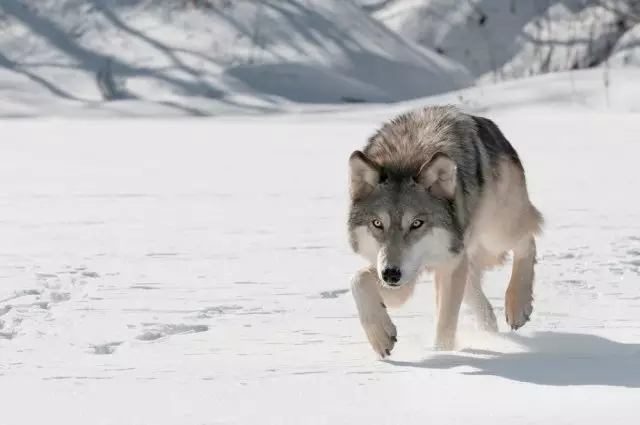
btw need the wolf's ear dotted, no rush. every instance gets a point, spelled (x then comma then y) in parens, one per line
(438, 175)
(364, 175)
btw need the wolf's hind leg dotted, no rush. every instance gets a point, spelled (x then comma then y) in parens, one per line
(519, 294)
(475, 298)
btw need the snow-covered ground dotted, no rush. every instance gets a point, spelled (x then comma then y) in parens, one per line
(196, 271)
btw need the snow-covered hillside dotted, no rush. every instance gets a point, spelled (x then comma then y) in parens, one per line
(269, 55)
(255, 55)
(504, 39)
(627, 50)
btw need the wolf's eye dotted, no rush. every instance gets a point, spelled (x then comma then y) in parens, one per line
(416, 224)
(376, 223)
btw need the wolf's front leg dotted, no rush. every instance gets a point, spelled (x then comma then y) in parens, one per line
(380, 330)
(452, 280)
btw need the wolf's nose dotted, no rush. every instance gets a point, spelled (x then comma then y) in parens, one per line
(391, 275)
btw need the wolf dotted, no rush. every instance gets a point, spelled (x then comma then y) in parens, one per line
(442, 191)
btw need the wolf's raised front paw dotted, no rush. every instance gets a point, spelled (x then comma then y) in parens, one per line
(518, 309)
(380, 330)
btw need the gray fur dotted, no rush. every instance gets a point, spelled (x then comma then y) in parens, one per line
(438, 189)
(401, 147)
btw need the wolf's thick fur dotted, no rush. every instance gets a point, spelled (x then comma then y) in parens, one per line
(439, 190)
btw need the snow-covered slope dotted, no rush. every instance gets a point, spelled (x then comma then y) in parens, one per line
(504, 39)
(627, 50)
(250, 54)
(196, 272)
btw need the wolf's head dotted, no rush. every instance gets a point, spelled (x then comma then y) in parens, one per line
(403, 222)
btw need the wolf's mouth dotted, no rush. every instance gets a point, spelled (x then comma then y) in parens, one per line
(391, 286)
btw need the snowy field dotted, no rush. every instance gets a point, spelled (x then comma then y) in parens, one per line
(174, 270)
(196, 271)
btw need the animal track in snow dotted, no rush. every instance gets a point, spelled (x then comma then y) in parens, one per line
(53, 287)
(108, 348)
(218, 310)
(19, 294)
(8, 334)
(335, 293)
(158, 331)
(146, 286)
(627, 250)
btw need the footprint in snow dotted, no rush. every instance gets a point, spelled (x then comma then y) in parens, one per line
(218, 310)
(161, 331)
(108, 348)
(333, 293)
